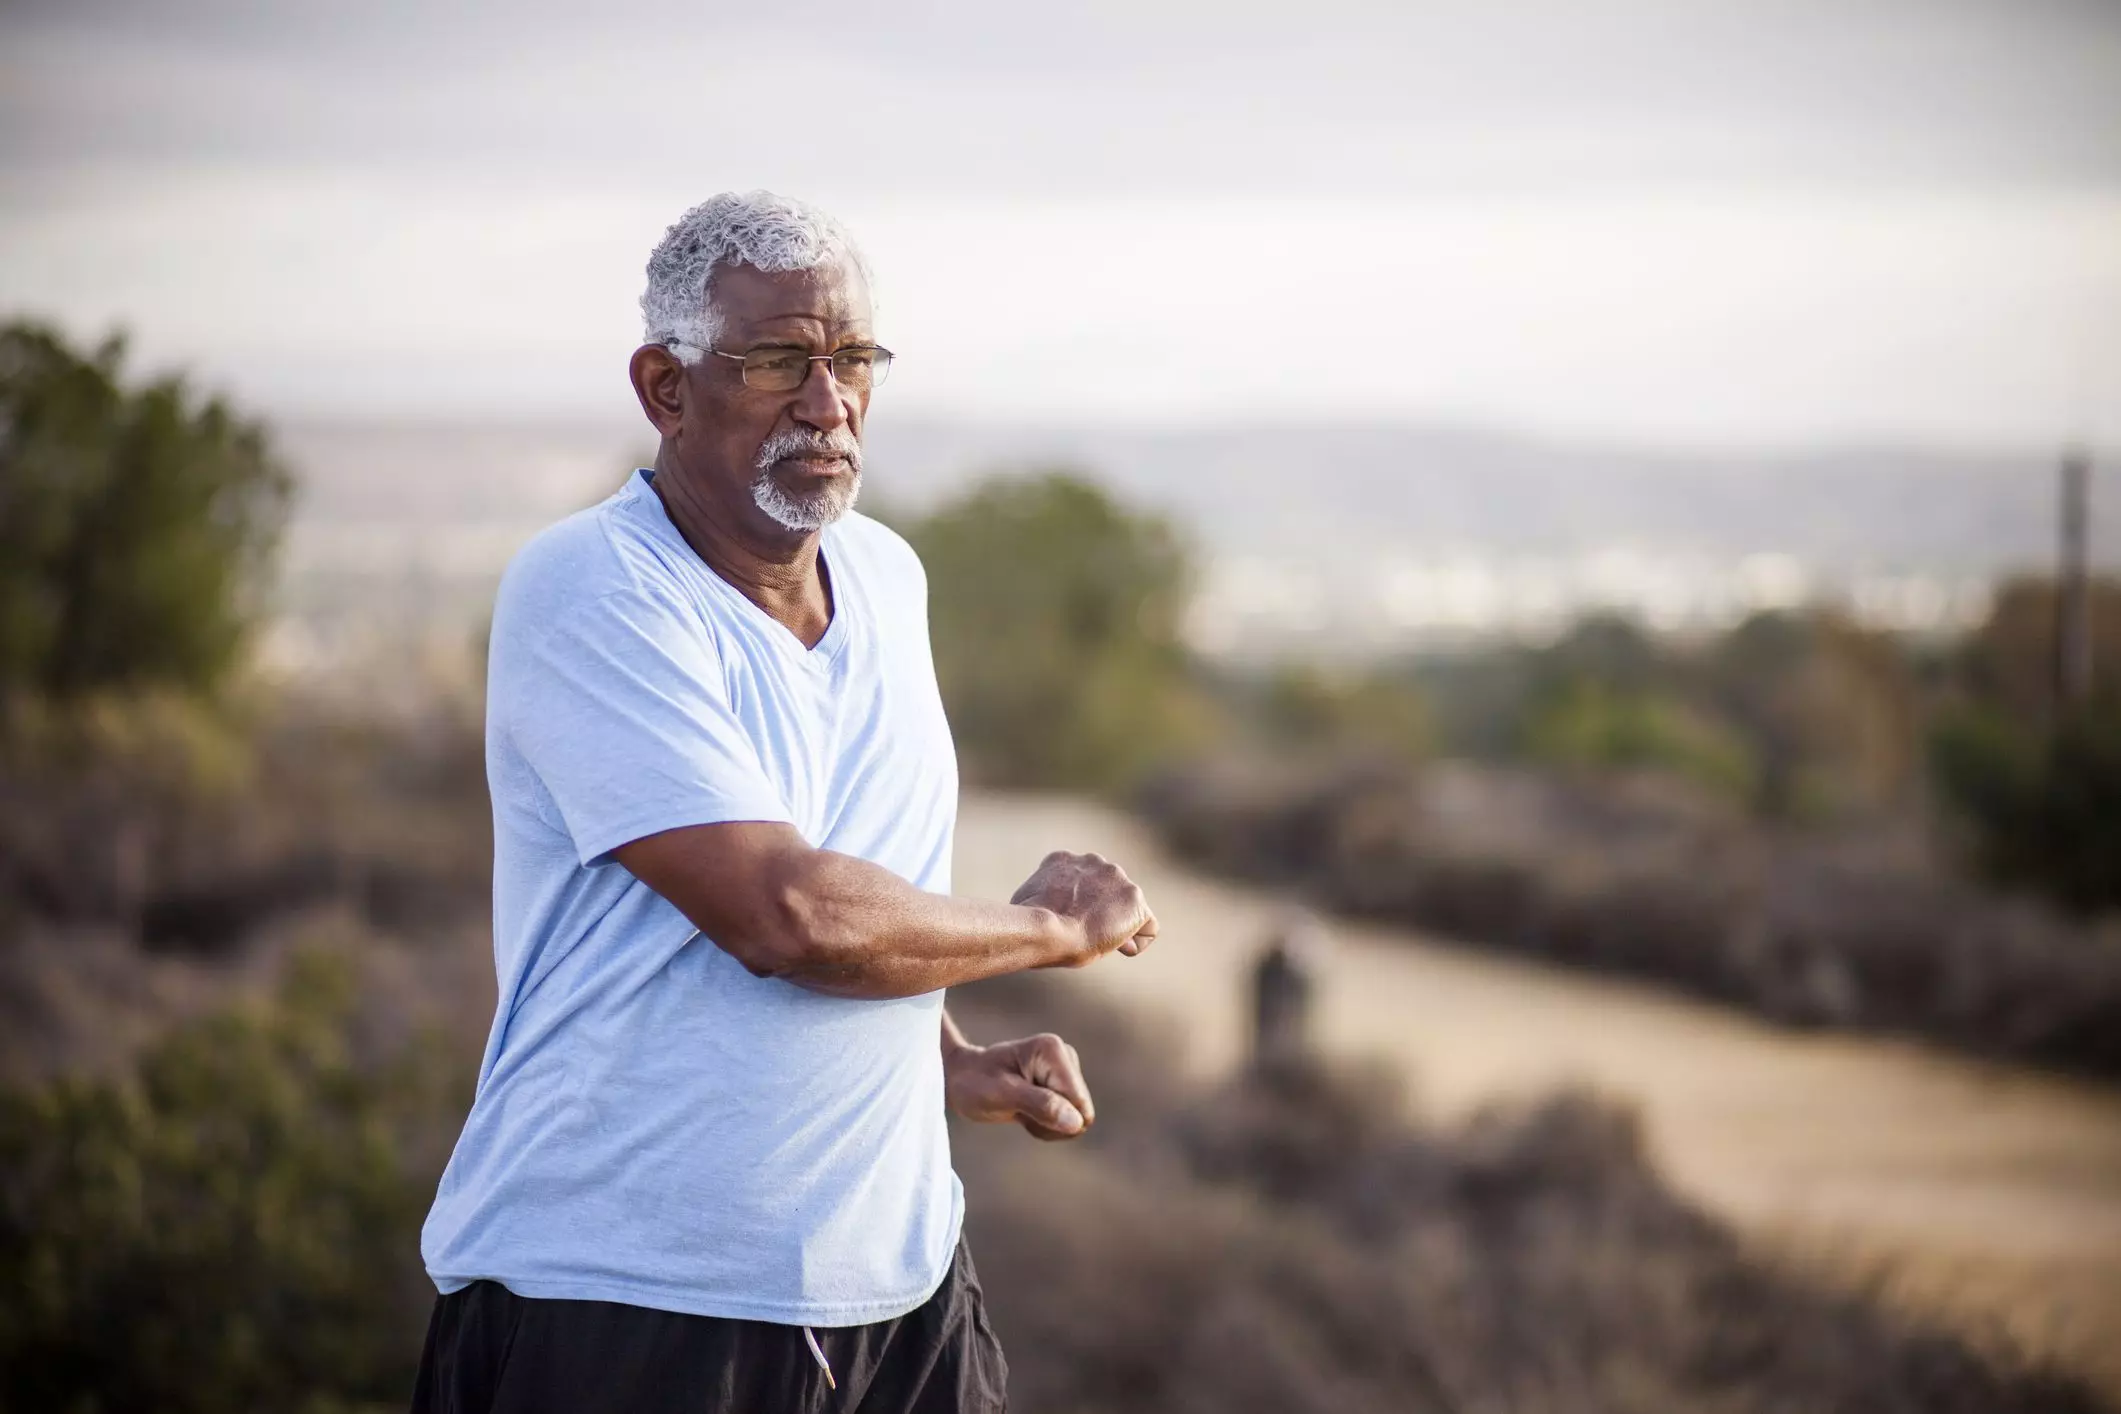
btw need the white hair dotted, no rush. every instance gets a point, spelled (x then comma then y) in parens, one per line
(755, 228)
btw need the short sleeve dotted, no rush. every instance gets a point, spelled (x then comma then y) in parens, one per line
(620, 708)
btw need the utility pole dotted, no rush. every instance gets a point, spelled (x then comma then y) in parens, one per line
(2073, 637)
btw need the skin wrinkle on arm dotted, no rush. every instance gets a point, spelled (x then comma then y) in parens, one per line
(861, 931)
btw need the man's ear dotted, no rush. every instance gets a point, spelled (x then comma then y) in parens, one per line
(659, 382)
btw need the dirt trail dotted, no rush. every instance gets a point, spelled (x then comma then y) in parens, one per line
(1986, 1194)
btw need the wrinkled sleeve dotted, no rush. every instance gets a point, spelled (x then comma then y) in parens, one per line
(620, 707)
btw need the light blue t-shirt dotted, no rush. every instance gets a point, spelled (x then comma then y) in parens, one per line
(654, 1125)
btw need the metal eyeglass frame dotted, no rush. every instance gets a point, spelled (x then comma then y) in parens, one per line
(825, 359)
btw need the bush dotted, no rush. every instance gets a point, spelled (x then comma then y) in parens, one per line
(230, 1227)
(1828, 709)
(226, 1220)
(1627, 876)
(1798, 716)
(2036, 783)
(1054, 617)
(1295, 1243)
(1314, 710)
(1585, 723)
(186, 825)
(2044, 805)
(135, 523)
(2008, 663)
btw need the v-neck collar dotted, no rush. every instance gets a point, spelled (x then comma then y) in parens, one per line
(822, 654)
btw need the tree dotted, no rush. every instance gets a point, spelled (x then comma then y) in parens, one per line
(1827, 708)
(136, 524)
(1582, 721)
(1055, 619)
(2009, 662)
(2044, 803)
(1315, 709)
(2038, 784)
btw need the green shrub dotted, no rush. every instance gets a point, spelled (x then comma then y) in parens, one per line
(2008, 663)
(231, 1226)
(2044, 805)
(1054, 615)
(1806, 717)
(1317, 710)
(1586, 723)
(135, 523)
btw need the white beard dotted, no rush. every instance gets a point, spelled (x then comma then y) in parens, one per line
(813, 512)
(824, 506)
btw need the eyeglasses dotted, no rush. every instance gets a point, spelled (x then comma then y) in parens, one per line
(857, 368)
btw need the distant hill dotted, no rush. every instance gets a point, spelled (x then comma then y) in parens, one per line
(1438, 529)
(1264, 490)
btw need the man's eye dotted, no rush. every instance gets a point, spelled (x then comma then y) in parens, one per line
(775, 361)
(854, 360)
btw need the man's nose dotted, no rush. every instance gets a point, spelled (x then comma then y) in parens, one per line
(821, 402)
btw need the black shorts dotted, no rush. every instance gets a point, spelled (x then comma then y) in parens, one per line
(490, 1351)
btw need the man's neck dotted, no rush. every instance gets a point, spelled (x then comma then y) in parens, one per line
(781, 573)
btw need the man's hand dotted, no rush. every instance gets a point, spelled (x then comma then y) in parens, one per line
(1037, 1081)
(1096, 896)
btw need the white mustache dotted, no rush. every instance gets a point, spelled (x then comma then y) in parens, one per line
(792, 443)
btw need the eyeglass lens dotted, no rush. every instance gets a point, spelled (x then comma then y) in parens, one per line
(783, 370)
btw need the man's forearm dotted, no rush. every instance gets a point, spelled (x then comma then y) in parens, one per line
(858, 930)
(837, 924)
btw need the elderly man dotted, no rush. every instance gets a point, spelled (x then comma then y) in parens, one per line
(708, 1166)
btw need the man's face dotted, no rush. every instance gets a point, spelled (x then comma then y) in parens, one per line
(786, 462)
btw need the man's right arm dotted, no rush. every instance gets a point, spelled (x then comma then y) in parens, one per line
(836, 924)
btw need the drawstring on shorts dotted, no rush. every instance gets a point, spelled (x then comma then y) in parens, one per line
(817, 1353)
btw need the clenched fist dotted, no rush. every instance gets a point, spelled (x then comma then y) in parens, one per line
(1096, 896)
(1037, 1081)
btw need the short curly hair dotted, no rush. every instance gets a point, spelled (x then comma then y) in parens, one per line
(755, 228)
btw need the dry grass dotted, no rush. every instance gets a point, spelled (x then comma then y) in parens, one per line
(1296, 1242)
(1856, 930)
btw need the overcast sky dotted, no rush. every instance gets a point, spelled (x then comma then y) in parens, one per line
(1694, 222)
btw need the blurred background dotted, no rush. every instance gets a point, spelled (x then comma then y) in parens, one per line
(1573, 549)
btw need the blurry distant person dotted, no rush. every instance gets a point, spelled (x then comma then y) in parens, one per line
(708, 1167)
(1284, 987)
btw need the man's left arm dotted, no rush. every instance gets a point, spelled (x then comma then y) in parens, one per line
(1036, 1081)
